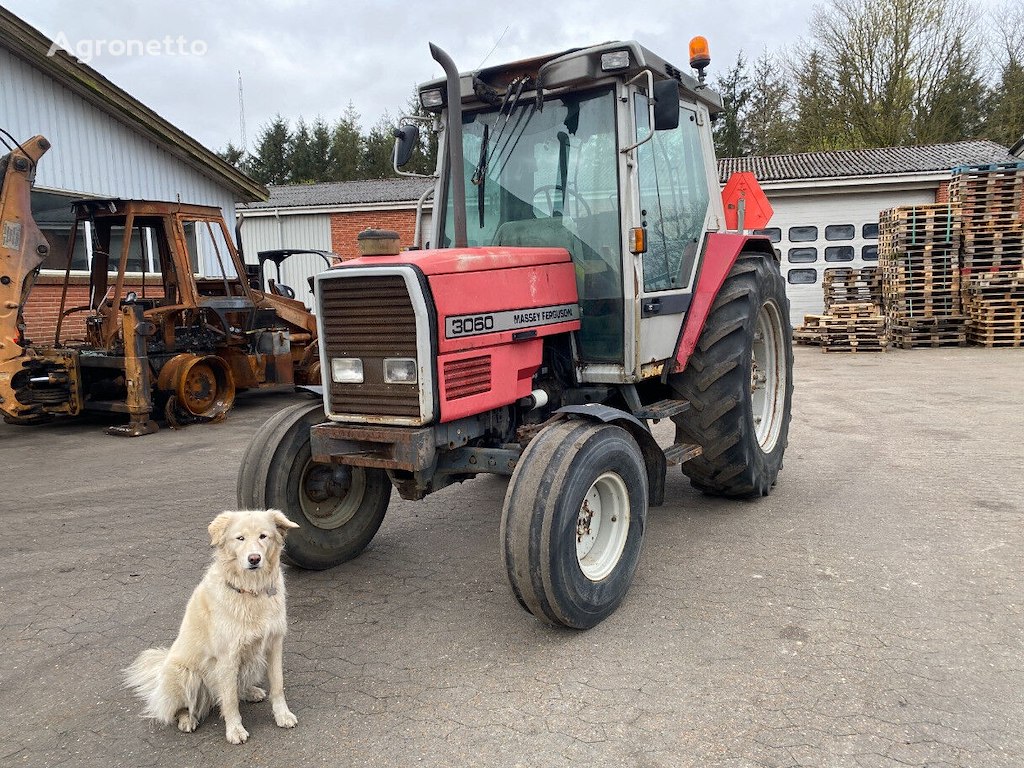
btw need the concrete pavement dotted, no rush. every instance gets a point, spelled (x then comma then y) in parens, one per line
(867, 613)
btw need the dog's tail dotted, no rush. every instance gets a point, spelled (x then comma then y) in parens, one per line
(146, 677)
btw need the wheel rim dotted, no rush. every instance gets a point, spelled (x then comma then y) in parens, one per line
(602, 526)
(330, 495)
(768, 376)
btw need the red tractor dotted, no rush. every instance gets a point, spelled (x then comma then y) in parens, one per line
(579, 286)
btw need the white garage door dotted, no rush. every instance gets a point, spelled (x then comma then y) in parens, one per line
(816, 233)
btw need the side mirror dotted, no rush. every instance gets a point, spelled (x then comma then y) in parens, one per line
(666, 105)
(407, 137)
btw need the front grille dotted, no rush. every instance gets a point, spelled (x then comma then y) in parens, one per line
(463, 378)
(369, 317)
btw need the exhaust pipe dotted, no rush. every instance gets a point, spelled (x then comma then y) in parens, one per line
(454, 132)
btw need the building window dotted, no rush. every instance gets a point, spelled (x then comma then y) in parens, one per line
(840, 232)
(802, 255)
(870, 231)
(803, 234)
(869, 253)
(839, 253)
(772, 233)
(802, 276)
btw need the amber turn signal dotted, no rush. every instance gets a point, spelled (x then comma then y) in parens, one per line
(638, 240)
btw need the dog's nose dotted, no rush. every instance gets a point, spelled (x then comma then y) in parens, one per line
(254, 558)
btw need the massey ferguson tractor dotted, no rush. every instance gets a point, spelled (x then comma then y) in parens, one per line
(577, 286)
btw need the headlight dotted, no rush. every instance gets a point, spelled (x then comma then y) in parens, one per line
(432, 99)
(399, 370)
(347, 370)
(614, 60)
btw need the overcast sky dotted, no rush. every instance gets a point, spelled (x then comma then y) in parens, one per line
(311, 57)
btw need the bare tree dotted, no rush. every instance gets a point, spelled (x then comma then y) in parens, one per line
(890, 63)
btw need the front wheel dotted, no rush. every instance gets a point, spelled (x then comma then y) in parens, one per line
(573, 521)
(338, 508)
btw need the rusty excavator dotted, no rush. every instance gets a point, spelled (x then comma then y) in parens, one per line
(176, 330)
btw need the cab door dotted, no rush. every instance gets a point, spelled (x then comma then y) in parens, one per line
(672, 183)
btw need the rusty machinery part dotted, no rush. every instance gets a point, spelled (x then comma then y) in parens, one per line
(201, 388)
(134, 428)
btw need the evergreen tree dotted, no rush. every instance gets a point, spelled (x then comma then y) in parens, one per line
(235, 156)
(300, 158)
(346, 148)
(734, 87)
(1005, 121)
(320, 149)
(958, 107)
(271, 160)
(378, 149)
(820, 122)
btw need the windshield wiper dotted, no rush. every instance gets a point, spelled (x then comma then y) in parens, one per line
(480, 175)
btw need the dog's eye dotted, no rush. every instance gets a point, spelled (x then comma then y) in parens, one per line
(263, 535)
(240, 538)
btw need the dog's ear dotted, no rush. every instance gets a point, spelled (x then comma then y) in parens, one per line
(281, 522)
(218, 527)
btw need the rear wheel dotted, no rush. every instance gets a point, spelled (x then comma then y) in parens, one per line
(338, 508)
(573, 521)
(739, 382)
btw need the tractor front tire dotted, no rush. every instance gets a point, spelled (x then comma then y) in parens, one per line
(739, 382)
(573, 520)
(338, 508)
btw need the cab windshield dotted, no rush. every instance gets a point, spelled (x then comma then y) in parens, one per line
(548, 177)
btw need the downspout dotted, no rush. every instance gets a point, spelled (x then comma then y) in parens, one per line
(454, 133)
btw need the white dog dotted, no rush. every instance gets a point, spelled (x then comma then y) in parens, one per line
(232, 633)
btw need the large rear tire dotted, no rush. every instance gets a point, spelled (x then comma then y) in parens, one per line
(739, 382)
(573, 521)
(338, 508)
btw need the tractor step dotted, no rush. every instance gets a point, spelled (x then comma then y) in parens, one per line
(680, 453)
(663, 409)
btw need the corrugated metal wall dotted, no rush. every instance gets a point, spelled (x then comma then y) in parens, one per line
(92, 153)
(265, 233)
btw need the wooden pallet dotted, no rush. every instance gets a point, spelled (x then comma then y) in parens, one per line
(847, 285)
(882, 345)
(991, 338)
(942, 332)
(989, 196)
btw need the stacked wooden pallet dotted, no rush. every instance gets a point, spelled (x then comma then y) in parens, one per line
(991, 198)
(918, 253)
(852, 321)
(844, 285)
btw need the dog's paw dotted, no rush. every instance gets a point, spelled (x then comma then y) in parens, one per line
(187, 722)
(285, 719)
(254, 694)
(236, 733)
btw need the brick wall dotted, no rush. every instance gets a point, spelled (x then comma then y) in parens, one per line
(942, 193)
(44, 305)
(345, 227)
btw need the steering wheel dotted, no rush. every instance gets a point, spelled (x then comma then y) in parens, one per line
(547, 191)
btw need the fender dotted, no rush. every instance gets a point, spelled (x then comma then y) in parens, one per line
(720, 253)
(654, 457)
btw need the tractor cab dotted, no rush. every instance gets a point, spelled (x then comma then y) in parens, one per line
(604, 152)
